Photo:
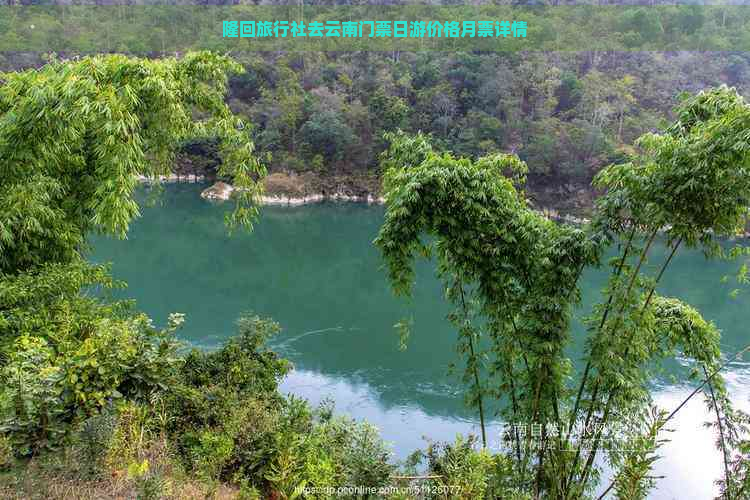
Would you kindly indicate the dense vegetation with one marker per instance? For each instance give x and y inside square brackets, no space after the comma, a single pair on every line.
[89,386]
[513,277]
[95,401]
[566,114]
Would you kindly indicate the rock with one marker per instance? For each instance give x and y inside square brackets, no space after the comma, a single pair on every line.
[219,191]
[162,178]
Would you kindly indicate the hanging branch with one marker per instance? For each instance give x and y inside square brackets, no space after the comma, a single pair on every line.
[706,381]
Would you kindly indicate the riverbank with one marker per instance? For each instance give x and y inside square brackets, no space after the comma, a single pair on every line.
[294,190]
[281,188]
[221,191]
[314,270]
[566,203]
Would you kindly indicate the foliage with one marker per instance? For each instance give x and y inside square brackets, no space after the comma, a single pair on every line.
[75,134]
[50,385]
[590,102]
[6,453]
[90,376]
[92,441]
[93,377]
[469,473]
[229,422]
[326,135]
[243,363]
[220,419]
[521,271]
[521,266]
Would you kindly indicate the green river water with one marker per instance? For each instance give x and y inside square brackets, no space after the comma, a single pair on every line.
[314,270]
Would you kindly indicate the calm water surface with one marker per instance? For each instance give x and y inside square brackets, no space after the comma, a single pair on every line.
[314,270]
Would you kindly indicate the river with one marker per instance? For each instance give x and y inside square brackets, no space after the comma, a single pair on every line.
[315,271]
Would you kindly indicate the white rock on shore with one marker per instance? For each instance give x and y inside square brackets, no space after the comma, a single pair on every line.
[288,200]
[171,178]
[317,198]
[223,191]
[219,191]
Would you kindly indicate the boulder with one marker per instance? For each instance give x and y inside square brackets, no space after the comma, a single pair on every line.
[219,191]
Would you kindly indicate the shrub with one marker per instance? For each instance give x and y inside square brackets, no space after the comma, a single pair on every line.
[467,472]
[49,387]
[92,442]
[229,422]
[211,451]
[32,414]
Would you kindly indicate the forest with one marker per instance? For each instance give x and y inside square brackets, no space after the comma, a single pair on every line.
[98,402]
[566,108]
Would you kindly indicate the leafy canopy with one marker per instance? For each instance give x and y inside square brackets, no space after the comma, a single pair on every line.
[74,136]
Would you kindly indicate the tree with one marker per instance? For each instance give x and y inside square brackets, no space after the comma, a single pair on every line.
[605,99]
[568,93]
[74,136]
[439,107]
[290,97]
[513,276]
[327,135]
[390,112]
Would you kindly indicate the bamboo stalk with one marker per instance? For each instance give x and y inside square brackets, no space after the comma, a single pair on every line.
[724,455]
[601,325]
[607,408]
[685,401]
[474,366]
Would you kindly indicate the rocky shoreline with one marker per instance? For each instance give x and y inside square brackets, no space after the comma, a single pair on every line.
[191,179]
[222,191]
[284,190]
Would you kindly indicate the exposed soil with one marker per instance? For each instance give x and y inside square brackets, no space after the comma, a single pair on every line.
[309,183]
